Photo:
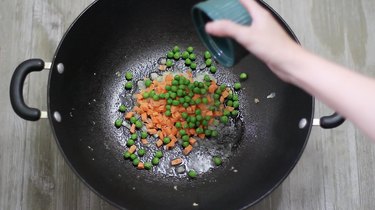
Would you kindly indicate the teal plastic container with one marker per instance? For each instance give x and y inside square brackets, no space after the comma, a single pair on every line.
[225,50]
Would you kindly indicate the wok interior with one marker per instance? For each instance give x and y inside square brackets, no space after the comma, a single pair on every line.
[117,36]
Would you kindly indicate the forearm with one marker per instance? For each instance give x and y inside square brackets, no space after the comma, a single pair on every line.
[345,91]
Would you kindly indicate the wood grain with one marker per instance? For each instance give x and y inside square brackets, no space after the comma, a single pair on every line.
[336,171]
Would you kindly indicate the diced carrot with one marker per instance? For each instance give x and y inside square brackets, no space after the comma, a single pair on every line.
[144,141]
[225,93]
[196,96]
[140,166]
[132,149]
[138,96]
[161,135]
[152,131]
[189,73]
[212,88]
[132,128]
[217,113]
[129,115]
[221,99]
[170,145]
[201,135]
[176,161]
[209,113]
[187,150]
[192,141]
[229,108]
[144,117]
[192,131]
[159,143]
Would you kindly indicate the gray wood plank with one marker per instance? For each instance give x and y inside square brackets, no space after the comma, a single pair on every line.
[336,171]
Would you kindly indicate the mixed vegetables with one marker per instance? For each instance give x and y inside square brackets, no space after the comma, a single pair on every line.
[178,109]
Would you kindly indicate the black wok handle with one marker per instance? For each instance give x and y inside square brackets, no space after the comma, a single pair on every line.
[331,121]
[16,88]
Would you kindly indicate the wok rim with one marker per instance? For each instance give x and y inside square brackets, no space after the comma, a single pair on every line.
[51,122]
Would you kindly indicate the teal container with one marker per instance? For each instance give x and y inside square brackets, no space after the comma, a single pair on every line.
[225,50]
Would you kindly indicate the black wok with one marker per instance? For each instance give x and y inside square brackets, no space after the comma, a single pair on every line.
[84,90]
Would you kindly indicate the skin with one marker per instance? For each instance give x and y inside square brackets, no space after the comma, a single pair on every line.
[350,94]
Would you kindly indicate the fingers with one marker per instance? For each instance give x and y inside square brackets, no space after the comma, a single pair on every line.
[225,28]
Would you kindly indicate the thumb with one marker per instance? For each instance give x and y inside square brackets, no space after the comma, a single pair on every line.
[225,28]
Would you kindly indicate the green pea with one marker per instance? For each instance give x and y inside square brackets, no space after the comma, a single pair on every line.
[205,100]
[224,119]
[168,113]
[234,112]
[148,165]
[186,105]
[141,152]
[185,144]
[118,123]
[191,125]
[193,119]
[146,95]
[176,49]
[208,62]
[128,75]
[134,136]
[192,174]
[217,160]
[166,140]
[198,101]
[218,91]
[136,162]
[122,108]
[168,107]
[226,113]
[214,133]
[230,96]
[243,76]
[185,55]
[236,104]
[199,130]
[204,122]
[138,124]
[169,101]
[193,65]
[184,115]
[178,125]
[130,142]
[207,132]
[207,55]
[156,98]
[175,103]
[192,56]
[175,82]
[144,134]
[203,91]
[172,95]
[235,97]
[190,49]
[187,99]
[126,155]
[168,87]
[166,95]
[181,100]
[198,111]
[155,161]
[186,82]
[187,62]
[128,85]
[159,154]
[180,92]
[213,69]
[200,84]
[199,117]
[237,86]
[197,90]
[133,156]
[182,86]
[229,103]
[152,93]
[177,55]
[216,96]
[207,78]
[212,108]
[185,138]
[223,87]
[161,95]
[182,132]
[148,82]
[133,120]
[217,103]
[169,63]
[170,54]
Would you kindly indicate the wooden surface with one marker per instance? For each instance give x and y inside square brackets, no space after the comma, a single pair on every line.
[336,171]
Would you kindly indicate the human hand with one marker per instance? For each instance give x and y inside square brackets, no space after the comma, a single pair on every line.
[264,38]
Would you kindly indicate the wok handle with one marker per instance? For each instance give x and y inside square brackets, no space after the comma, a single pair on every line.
[331,121]
[16,88]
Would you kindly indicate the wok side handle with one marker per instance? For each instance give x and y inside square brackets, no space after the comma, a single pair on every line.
[331,121]
[16,88]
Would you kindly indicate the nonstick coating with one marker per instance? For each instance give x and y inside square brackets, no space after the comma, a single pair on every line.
[114,36]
